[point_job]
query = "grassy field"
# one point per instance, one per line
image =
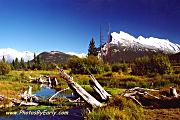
(16, 82)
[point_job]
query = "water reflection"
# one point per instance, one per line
(45, 92)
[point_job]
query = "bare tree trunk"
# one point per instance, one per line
(79, 90)
(99, 89)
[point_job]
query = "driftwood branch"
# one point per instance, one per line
(51, 98)
(98, 88)
(139, 91)
(132, 96)
(171, 99)
(79, 90)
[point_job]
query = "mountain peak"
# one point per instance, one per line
(125, 39)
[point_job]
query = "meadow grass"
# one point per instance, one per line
(16, 82)
(118, 108)
(114, 90)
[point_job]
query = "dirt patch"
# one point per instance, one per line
(162, 114)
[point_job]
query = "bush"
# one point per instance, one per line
(151, 65)
(5, 68)
(119, 67)
(91, 64)
(107, 68)
(77, 65)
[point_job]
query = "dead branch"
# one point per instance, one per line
(50, 99)
(132, 96)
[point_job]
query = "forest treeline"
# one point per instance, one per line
(146, 65)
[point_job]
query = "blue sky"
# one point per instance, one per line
(69, 25)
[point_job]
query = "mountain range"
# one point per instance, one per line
(123, 39)
(53, 56)
(124, 47)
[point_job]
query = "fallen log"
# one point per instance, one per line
(132, 96)
(51, 98)
(99, 89)
(142, 89)
(23, 103)
(76, 88)
(27, 96)
(150, 98)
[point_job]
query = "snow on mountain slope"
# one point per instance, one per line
(80, 55)
(11, 54)
(124, 39)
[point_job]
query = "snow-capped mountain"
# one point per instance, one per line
(126, 47)
(141, 43)
(53, 56)
(80, 55)
(10, 54)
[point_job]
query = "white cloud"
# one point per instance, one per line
(10, 54)
(81, 55)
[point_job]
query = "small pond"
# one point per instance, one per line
(45, 93)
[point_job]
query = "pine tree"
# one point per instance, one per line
(3, 59)
(92, 49)
(34, 64)
(38, 63)
(35, 58)
(13, 64)
(28, 65)
(16, 64)
(22, 64)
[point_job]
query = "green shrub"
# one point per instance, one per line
(151, 65)
(119, 67)
(107, 68)
(5, 68)
(91, 64)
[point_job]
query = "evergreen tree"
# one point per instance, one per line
(38, 63)
(28, 65)
(92, 49)
(3, 59)
(16, 64)
(35, 58)
(22, 64)
(13, 64)
(34, 64)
